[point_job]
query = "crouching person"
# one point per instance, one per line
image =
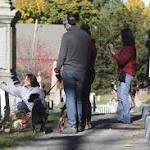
(23, 91)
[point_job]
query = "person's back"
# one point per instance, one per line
(75, 46)
(78, 44)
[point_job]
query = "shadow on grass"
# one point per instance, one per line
(8, 141)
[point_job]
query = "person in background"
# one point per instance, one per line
(23, 91)
(146, 83)
(126, 60)
(90, 75)
(73, 57)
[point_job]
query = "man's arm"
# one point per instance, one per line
(62, 53)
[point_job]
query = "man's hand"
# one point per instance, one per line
(56, 70)
(58, 74)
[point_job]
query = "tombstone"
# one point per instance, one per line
(39, 79)
(145, 112)
(144, 108)
(56, 92)
(8, 19)
(93, 101)
(2, 103)
(147, 128)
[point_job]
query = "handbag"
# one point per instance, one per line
(122, 76)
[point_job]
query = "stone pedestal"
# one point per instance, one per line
(7, 44)
(55, 92)
(7, 40)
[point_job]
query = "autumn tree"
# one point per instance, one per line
(106, 30)
(32, 9)
(138, 20)
(106, 18)
(112, 17)
(53, 11)
(59, 8)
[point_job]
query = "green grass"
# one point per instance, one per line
(53, 118)
(148, 101)
(107, 97)
(8, 141)
(144, 98)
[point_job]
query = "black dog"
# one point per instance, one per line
(39, 115)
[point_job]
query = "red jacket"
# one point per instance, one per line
(126, 59)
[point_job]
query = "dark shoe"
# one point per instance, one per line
(80, 128)
(120, 121)
(69, 130)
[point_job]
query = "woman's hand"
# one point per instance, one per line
(110, 48)
(3, 82)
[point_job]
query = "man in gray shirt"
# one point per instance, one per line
(73, 57)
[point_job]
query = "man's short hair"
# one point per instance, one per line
(71, 19)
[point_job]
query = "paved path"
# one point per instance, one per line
(106, 134)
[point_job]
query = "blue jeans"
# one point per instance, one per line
(21, 106)
(123, 109)
(73, 86)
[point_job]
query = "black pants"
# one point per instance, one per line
(87, 109)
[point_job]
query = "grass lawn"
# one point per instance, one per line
(104, 99)
(107, 97)
(8, 141)
(144, 98)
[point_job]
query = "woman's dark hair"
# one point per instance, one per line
(33, 80)
(127, 37)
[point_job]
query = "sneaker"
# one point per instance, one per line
(88, 126)
(69, 130)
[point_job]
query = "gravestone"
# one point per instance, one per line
(39, 79)
(147, 127)
(7, 48)
(56, 92)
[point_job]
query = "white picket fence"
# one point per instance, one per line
(107, 108)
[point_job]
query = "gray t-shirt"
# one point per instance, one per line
(75, 49)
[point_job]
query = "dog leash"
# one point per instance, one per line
(53, 86)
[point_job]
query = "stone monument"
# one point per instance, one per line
(8, 19)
